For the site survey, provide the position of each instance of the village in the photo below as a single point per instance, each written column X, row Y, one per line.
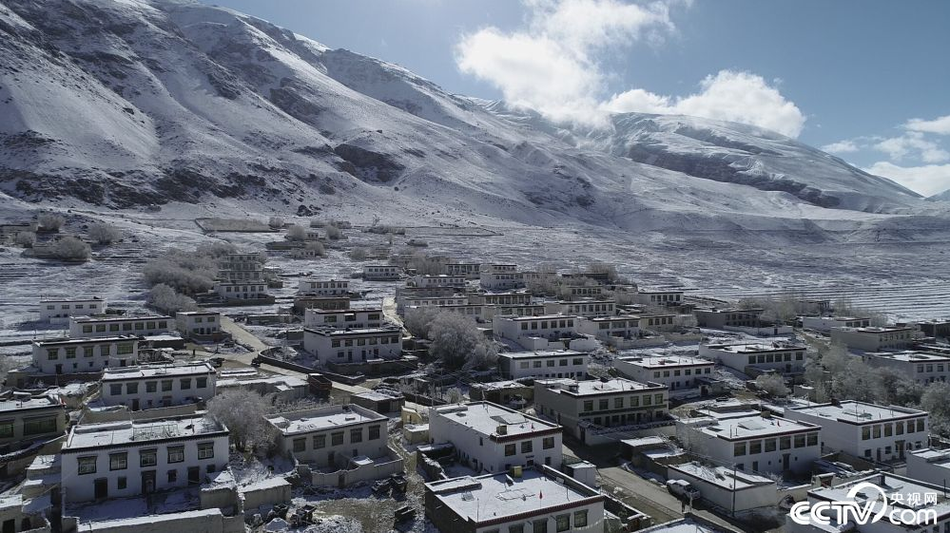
column 326, row 376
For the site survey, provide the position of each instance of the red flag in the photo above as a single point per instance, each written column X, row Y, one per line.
column 540, row 495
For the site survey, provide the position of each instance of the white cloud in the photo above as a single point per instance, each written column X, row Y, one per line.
column 912, row 144
column 940, row 125
column 551, row 66
column 729, row 95
column 926, row 180
column 841, row 147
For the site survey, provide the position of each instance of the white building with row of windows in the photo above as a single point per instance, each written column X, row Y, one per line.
column 111, row 326
column 328, row 437
column 674, row 371
column 874, row 339
column 919, row 367
column 500, row 277
column 492, row 438
column 332, row 287
column 874, row 432
column 381, row 272
column 781, row 357
column 71, row 356
column 148, row 386
column 134, row 458
column 353, row 345
column 58, row 311
column 543, row 364
column 365, row 318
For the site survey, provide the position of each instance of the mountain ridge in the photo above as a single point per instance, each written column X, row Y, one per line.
column 122, row 104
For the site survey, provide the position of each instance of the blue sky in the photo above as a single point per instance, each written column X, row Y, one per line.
column 868, row 80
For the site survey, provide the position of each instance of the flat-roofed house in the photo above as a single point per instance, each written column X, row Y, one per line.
column 753, row 442
column 735, row 318
column 58, row 311
column 364, row 318
column 331, row 287
column 518, row 328
column 543, row 364
column 148, row 386
column 427, row 281
column 536, row 500
column 72, row 356
column 586, row 406
column 874, row 432
column 584, row 308
column 674, row 371
column 353, row 345
column 920, row 367
column 500, row 277
column 824, row 324
column 325, row 436
column 492, row 438
column 874, row 339
column 786, row 358
column 200, row 325
column 109, row 326
column 24, row 420
column 141, row 457
column 467, row 270
column 668, row 298
column 381, row 272
column 606, row 327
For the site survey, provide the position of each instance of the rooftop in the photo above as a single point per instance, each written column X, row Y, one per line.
column 855, row 412
column 69, row 300
column 541, row 353
column 756, row 347
column 366, row 331
column 894, row 485
column 689, row 524
column 937, row 458
column 874, row 329
column 911, row 356
column 91, row 436
column 747, row 427
column 197, row 313
column 486, row 418
column 91, row 340
column 496, row 496
column 156, row 371
column 665, row 361
column 542, row 317
column 593, row 387
column 41, row 402
column 722, row 477
column 323, row 418
column 109, row 318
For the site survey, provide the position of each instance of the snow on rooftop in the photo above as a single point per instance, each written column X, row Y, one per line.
column 756, row 347
column 755, row 426
column 495, row 496
column 487, row 417
column 156, row 371
column 323, row 418
column 651, row 361
column 722, row 476
column 852, row 411
column 27, row 403
column 86, row 436
column 595, row 387
column 541, row 353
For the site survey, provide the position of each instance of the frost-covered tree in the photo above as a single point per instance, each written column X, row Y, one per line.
column 454, row 395
column 359, row 254
column 242, row 411
column 773, row 384
column 188, row 272
column 103, row 233
column 418, row 320
column 317, row 247
column 936, row 401
column 334, row 233
column 71, row 249
column 458, row 342
column 165, row 299
column 275, row 222
column 296, row 232
column 50, row 221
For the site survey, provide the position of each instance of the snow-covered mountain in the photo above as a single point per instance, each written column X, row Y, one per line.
column 940, row 197
column 127, row 102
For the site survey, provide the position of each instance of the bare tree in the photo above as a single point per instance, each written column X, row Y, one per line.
column 103, row 233
column 50, row 221
column 71, row 249
column 242, row 411
column 165, row 299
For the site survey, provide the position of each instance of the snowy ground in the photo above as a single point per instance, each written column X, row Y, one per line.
column 907, row 281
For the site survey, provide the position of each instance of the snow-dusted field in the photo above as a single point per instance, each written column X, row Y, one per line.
column 907, row 280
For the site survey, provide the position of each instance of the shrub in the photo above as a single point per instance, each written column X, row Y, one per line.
column 71, row 249
column 26, row 239
column 773, row 384
column 103, row 233
column 275, row 222
column 242, row 411
column 359, row 254
column 316, row 246
column 334, row 233
column 458, row 342
column 296, row 232
column 50, row 221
